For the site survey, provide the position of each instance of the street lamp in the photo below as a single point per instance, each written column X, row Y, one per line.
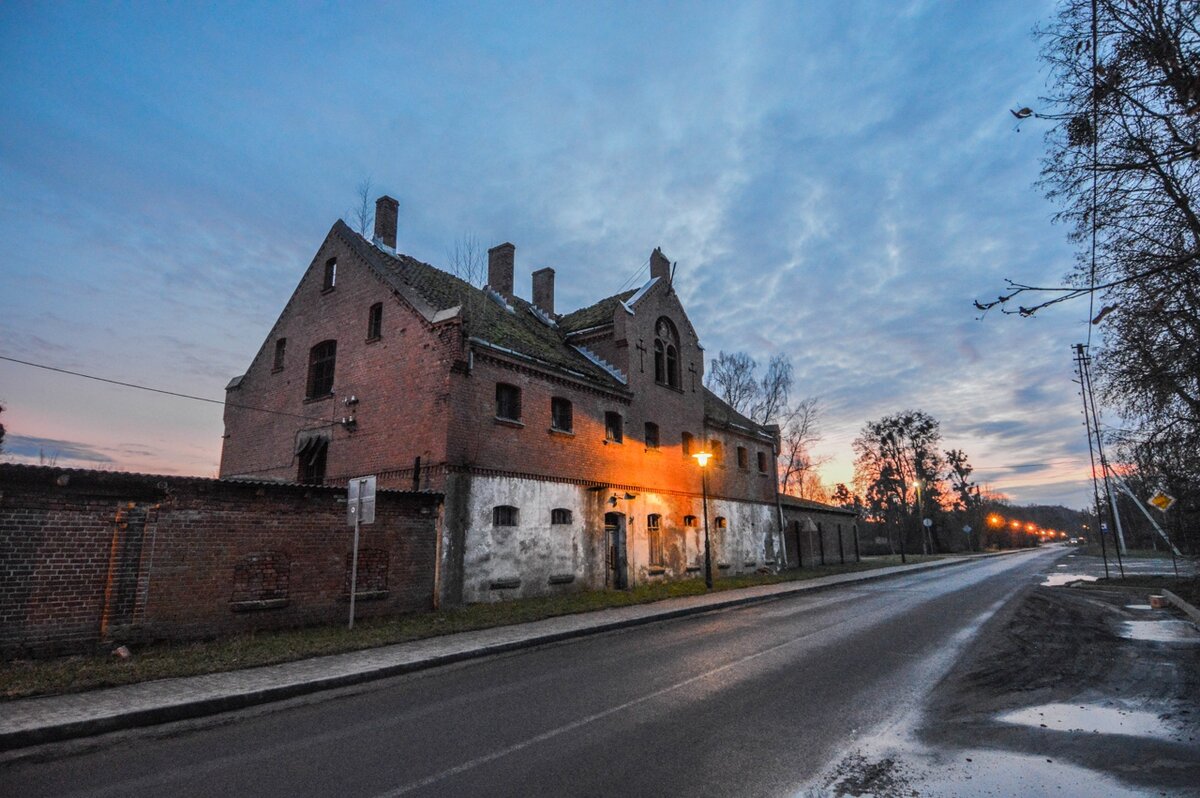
column 702, row 458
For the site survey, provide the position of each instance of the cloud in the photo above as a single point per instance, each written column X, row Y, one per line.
column 37, row 450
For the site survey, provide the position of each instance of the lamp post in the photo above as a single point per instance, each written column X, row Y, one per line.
column 921, row 512
column 702, row 458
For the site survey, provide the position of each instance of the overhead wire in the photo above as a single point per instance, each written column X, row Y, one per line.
column 161, row 390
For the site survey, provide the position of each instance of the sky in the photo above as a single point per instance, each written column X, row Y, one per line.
column 837, row 182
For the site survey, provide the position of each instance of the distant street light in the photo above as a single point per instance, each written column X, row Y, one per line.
column 702, row 458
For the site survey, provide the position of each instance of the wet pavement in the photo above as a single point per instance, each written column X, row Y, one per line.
column 1074, row 691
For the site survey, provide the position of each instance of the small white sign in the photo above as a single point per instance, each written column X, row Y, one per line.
column 362, row 491
column 928, row 522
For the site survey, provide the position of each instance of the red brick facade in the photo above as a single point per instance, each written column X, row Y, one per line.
column 91, row 556
column 418, row 404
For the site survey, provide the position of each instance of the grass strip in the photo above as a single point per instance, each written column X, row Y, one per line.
column 25, row 678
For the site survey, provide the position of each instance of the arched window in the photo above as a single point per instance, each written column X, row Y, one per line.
column 321, row 361
column 666, row 353
column 720, row 522
column 689, row 520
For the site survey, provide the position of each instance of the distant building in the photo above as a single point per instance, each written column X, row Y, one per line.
column 562, row 443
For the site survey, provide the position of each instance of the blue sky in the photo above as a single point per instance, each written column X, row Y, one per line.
column 837, row 181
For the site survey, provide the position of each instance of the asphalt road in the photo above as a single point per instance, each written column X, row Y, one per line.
column 747, row 701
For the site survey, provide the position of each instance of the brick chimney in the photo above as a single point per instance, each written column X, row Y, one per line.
column 386, row 212
column 543, row 290
column 659, row 265
column 500, row 268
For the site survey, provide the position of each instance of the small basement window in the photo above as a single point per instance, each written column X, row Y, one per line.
column 614, row 427
column 508, row 402
column 721, row 523
column 560, row 515
column 330, row 275
column 375, row 322
column 689, row 520
column 561, row 418
column 504, row 515
column 651, row 435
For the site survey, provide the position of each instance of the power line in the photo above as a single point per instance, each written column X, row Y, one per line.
column 161, row 390
column 632, row 279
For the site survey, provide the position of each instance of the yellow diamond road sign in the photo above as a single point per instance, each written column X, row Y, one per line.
column 1162, row 501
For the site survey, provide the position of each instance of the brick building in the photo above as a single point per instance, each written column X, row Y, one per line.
column 562, row 442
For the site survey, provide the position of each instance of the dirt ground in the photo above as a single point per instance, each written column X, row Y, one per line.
column 1060, row 694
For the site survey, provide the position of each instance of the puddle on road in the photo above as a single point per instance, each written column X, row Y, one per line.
column 1172, row 631
column 1088, row 718
column 992, row 773
column 1058, row 580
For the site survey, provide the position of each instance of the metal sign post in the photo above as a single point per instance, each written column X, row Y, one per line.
column 360, row 509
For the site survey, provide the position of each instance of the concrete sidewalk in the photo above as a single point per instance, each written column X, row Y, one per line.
column 33, row 721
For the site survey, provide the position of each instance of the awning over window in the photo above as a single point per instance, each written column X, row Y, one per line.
column 308, row 441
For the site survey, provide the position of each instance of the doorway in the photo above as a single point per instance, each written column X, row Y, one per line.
column 617, row 574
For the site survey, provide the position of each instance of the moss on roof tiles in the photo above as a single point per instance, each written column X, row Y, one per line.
column 482, row 315
column 594, row 315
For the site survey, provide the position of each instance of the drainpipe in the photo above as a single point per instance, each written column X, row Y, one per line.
column 779, row 511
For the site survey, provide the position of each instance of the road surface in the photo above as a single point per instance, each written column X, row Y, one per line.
column 747, row 701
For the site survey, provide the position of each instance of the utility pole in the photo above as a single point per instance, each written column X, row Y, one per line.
column 1079, row 356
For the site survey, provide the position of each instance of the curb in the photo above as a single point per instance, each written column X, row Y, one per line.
column 151, row 716
column 1188, row 609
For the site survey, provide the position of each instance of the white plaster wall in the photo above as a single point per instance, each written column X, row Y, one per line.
column 536, row 550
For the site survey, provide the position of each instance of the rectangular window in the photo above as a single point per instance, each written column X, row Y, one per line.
column 743, row 457
column 375, row 322
column 688, row 443
column 614, row 427
column 508, row 402
column 718, row 451
column 651, row 435
column 321, row 361
column 654, row 537
column 330, row 275
column 762, row 462
column 312, row 462
column 560, row 515
column 280, row 349
column 689, row 520
column 560, row 415
column 504, row 515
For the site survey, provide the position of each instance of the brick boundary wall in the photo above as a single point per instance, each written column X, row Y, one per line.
column 94, row 558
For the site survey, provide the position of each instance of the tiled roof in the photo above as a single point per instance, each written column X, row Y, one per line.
column 484, row 316
column 715, row 409
column 594, row 315
column 809, row 504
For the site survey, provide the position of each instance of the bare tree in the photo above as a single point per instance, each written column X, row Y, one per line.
column 797, row 464
column 731, row 377
column 363, row 214
column 773, row 391
column 466, row 260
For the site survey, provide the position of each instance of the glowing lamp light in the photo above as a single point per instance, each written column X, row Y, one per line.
column 702, row 458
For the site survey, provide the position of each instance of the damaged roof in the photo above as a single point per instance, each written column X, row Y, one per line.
column 486, row 315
